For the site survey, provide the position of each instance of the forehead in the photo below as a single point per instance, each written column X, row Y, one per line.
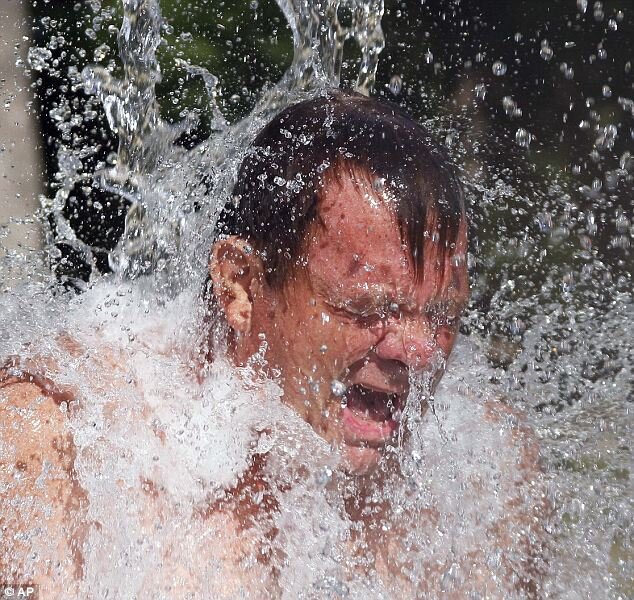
column 356, row 247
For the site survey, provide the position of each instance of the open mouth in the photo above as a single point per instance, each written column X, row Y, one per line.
column 370, row 416
column 372, row 404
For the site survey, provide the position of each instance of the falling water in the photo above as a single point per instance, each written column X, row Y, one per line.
column 549, row 331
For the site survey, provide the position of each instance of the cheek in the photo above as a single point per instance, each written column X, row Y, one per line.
column 445, row 339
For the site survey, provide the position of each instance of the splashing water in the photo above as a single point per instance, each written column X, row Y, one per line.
column 161, row 437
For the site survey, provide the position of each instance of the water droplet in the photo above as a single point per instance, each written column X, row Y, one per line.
column 545, row 222
column 606, row 137
column 517, row 326
column 612, row 25
column 338, row 388
column 509, row 105
column 101, row 52
column 546, row 52
column 568, row 72
column 498, row 68
column 626, row 161
column 582, row 5
column 323, row 348
column 378, row 184
column 570, row 44
column 606, row 91
column 523, row 138
column 429, row 57
column 396, row 84
column 480, row 91
column 38, row 58
column 599, row 15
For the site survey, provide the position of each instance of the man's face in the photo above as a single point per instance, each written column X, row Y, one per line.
column 347, row 330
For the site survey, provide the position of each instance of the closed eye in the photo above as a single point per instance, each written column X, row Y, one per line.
column 364, row 317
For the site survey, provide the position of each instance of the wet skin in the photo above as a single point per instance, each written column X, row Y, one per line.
column 355, row 313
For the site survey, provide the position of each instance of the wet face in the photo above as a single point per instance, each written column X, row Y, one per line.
column 346, row 331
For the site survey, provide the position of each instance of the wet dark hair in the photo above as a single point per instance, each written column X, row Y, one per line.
column 277, row 193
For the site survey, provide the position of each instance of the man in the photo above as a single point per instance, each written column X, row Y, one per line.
column 340, row 263
column 345, row 250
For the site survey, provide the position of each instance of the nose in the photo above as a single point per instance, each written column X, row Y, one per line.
column 411, row 341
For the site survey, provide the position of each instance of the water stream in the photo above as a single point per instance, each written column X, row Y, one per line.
column 160, row 434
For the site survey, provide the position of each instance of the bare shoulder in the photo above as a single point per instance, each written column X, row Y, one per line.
column 42, row 501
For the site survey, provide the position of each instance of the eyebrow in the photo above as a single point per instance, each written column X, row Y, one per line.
column 365, row 302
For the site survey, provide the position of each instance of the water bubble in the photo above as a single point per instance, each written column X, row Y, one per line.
column 582, row 5
column 599, row 15
column 612, row 25
column 517, row 326
column 510, row 107
column 546, row 52
column 480, row 91
column 626, row 162
column 570, row 44
column 338, row 388
column 396, row 84
column 38, row 58
column 622, row 222
column 378, row 185
column 568, row 72
column 611, row 180
column 90, row 33
column 545, row 222
column 522, row 138
column 323, row 476
column 499, row 68
column 606, row 91
column 101, row 52
column 606, row 137
column 518, row 37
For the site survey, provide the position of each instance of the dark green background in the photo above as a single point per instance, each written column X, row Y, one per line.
column 248, row 45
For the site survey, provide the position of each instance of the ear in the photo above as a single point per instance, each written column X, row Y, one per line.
column 235, row 273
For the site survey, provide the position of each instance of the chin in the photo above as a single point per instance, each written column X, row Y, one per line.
column 360, row 460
